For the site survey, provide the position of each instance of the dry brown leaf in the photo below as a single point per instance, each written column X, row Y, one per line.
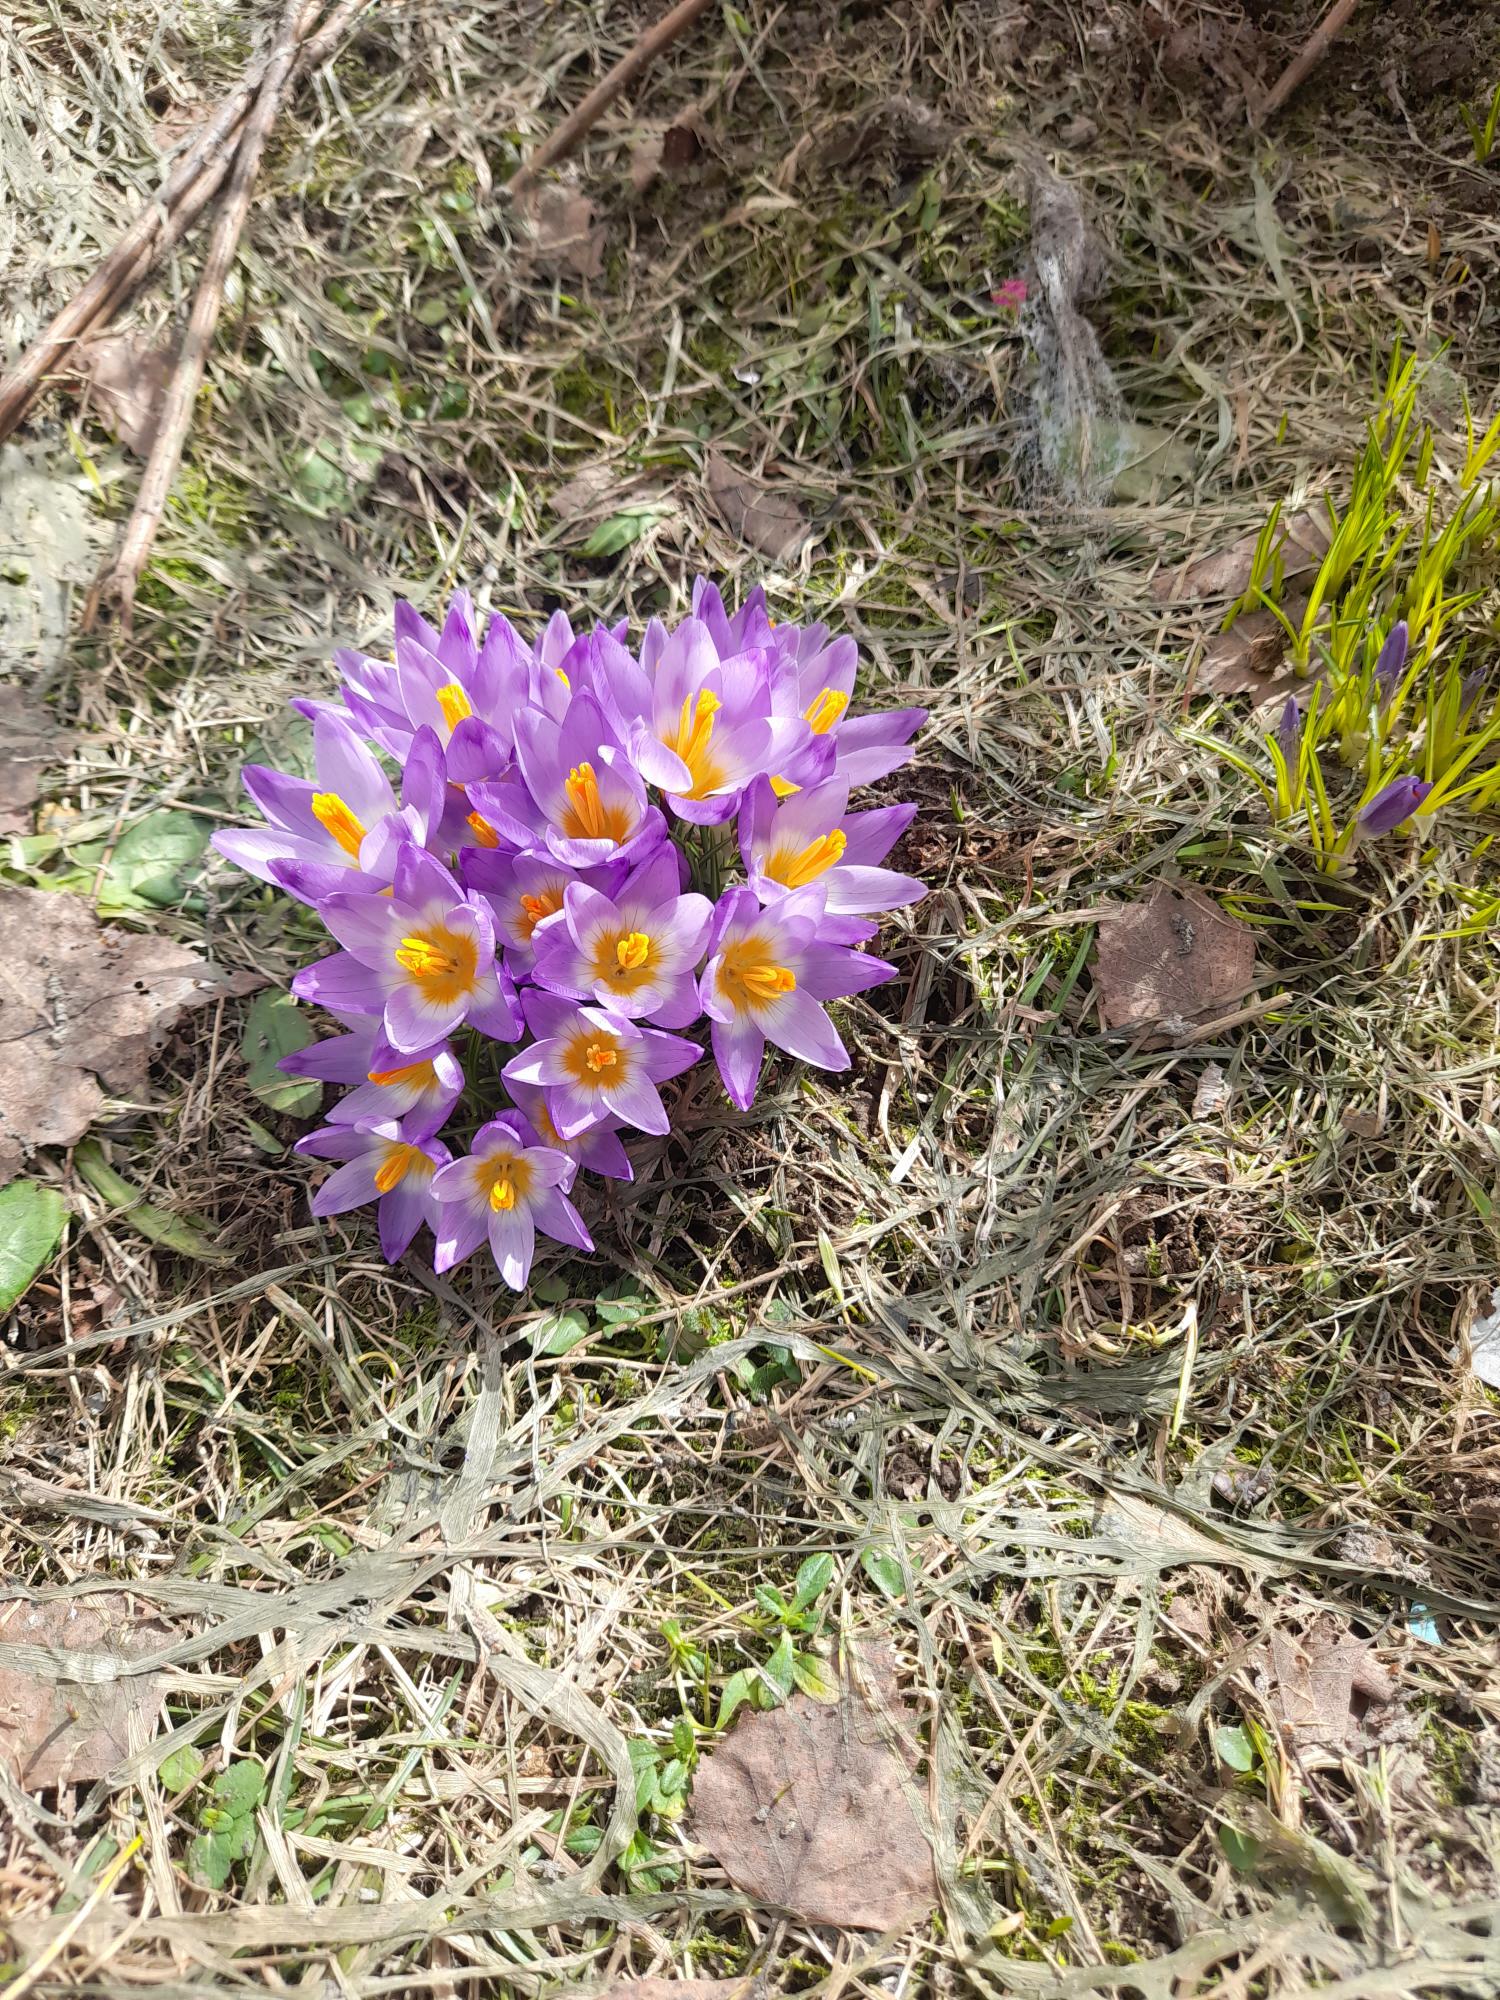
column 1303, row 545
column 1172, row 960
column 1250, row 658
column 773, row 522
column 903, row 129
column 1320, row 1687
column 82, row 1006
column 588, row 492
column 670, row 152
column 567, row 240
column 30, row 743
column 70, row 1732
column 126, row 377
column 805, row 1807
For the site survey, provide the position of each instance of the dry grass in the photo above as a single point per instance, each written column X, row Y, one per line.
column 935, row 1316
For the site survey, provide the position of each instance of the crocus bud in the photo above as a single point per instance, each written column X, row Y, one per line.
column 1289, row 730
column 1392, row 660
column 1392, row 804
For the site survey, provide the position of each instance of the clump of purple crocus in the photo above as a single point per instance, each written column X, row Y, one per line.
column 526, row 876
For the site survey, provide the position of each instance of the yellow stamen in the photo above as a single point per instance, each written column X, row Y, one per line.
column 335, row 818
column 398, row 1162
column 783, row 787
column 425, row 960
column 632, row 952
column 582, row 789
column 598, row 1057
column 503, row 1179
column 563, row 678
column 419, row 1075
column 749, row 977
column 794, row 867
column 536, row 907
column 484, row 833
column 766, row 981
column 455, row 704
column 695, row 729
column 826, row 711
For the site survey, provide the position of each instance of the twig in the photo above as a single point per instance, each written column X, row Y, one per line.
column 1309, row 56
column 626, row 70
column 188, row 190
column 118, row 584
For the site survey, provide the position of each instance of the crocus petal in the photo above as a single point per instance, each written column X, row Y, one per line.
column 513, row 1243
column 739, row 1048
column 637, row 1101
column 556, row 1215
column 795, row 1022
column 342, row 984
column 349, row 1186
column 459, row 1230
column 413, row 1020
column 401, row 1214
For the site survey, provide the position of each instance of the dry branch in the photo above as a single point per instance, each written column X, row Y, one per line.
column 165, row 220
column 1302, row 65
column 626, row 70
column 118, row 584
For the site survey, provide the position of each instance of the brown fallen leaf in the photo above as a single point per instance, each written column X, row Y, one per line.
column 1250, row 658
column 126, row 376
column 567, row 241
column 30, row 743
column 82, row 1006
column 771, row 521
column 589, row 491
column 671, row 152
column 806, row 1810
column 1303, row 545
column 1321, row 1686
column 1172, row 960
column 903, row 129
column 58, row 1732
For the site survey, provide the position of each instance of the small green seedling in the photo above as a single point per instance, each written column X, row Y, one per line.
column 1483, row 131
column 227, row 1823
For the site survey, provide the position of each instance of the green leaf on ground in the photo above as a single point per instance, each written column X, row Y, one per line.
column 560, row 1333
column 31, row 1226
column 1234, row 1747
column 277, row 1027
column 228, row 1823
column 813, row 1579
column 172, row 1232
column 152, row 860
column 884, row 1572
column 619, row 531
column 180, row 1770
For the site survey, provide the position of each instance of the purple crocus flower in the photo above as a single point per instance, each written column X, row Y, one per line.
column 597, row 1147
column 525, row 893
column 1392, row 659
column 444, row 681
column 1289, row 732
column 768, row 972
column 812, row 837
column 417, row 1089
column 333, row 827
column 634, row 953
column 698, row 725
column 507, row 1189
column 577, row 797
column 1392, row 804
column 422, row 957
column 383, row 1163
column 595, row 1064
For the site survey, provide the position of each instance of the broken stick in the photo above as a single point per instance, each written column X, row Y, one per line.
column 559, row 143
column 1302, row 65
column 116, row 587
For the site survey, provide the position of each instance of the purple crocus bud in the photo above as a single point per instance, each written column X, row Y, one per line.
column 1391, row 661
column 767, row 974
column 507, row 1189
column 1392, row 804
column 811, row 837
column 383, row 1163
column 635, row 953
column 417, row 1089
column 1289, row 731
column 595, row 1064
column 597, row 1147
column 423, row 957
column 330, row 829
